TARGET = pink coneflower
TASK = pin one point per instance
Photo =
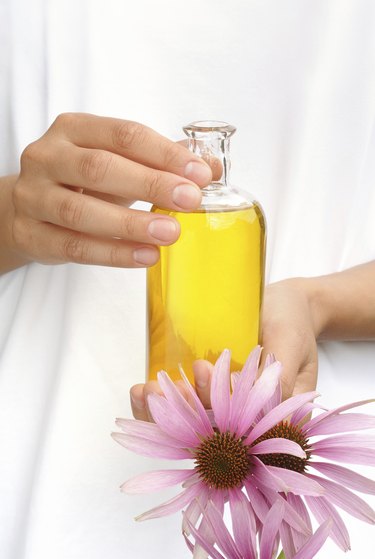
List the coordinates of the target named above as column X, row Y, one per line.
column 225, row 457
column 243, row 543
column 336, row 479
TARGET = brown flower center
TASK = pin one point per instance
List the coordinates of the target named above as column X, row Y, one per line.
column 222, row 461
column 285, row 430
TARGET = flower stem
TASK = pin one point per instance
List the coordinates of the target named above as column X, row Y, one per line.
column 281, row 556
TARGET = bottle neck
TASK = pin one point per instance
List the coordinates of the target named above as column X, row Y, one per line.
column 211, row 141
column 215, row 151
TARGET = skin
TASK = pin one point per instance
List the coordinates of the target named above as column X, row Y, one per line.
column 45, row 217
column 71, row 203
column 297, row 314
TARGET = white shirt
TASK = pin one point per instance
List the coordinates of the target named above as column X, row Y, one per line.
column 297, row 79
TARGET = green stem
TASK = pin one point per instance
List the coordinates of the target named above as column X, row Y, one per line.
column 281, row 556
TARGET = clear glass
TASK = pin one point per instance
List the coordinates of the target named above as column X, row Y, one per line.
column 205, row 293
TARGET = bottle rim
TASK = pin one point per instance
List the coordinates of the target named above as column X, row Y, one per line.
column 209, row 126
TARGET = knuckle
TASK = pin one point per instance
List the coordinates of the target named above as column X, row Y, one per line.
column 128, row 135
column 32, row 155
column 114, row 256
column 21, row 234
column 94, row 166
column 286, row 387
column 64, row 120
column 128, row 225
column 75, row 249
column 70, row 212
column 172, row 156
column 19, row 195
column 152, row 186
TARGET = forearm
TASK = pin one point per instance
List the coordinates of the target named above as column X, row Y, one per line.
column 343, row 304
column 9, row 257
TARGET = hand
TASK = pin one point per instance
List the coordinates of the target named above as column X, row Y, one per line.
column 71, row 200
column 202, row 381
column 288, row 331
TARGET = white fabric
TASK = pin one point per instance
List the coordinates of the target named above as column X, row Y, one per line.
column 297, row 78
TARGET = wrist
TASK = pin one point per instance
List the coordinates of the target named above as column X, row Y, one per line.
column 314, row 298
column 319, row 304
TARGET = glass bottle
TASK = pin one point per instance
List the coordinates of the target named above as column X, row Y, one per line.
column 205, row 293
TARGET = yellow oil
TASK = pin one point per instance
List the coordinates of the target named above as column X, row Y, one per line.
column 205, row 293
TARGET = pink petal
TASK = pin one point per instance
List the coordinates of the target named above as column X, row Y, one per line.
column 250, row 369
column 174, row 424
column 291, row 517
column 345, row 477
column 274, row 401
column 316, row 542
column 287, row 540
column 361, row 456
column 336, row 411
column 220, row 391
column 347, row 500
column 173, row 505
column 242, row 386
column 206, row 532
column 224, row 539
column 256, row 398
column 270, row 358
column 243, row 522
column 277, row 446
column 299, row 484
column 323, row 510
column 257, row 500
column 234, row 378
column 341, row 423
column 203, row 543
column 148, row 431
column 300, row 509
column 177, row 400
column 281, row 412
column 299, row 506
column 156, row 480
column 270, row 529
column 351, row 440
column 206, row 429
column 263, row 475
column 302, row 412
column 194, row 510
column 150, row 448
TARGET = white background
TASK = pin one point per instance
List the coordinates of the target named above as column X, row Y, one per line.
column 297, row 79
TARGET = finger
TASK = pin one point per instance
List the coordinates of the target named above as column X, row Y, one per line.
column 214, row 162
column 139, row 394
column 138, row 402
column 306, row 380
column 49, row 243
column 202, row 379
column 151, row 387
column 86, row 214
column 134, row 141
column 106, row 172
column 289, row 361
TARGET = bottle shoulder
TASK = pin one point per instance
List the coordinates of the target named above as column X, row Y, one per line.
column 228, row 199
column 223, row 200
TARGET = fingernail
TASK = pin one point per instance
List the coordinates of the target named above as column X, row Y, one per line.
column 200, row 173
column 202, row 378
column 163, row 229
column 187, row 196
column 146, row 256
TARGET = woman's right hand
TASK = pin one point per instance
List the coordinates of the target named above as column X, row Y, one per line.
column 71, row 199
